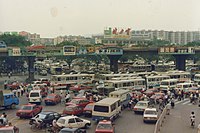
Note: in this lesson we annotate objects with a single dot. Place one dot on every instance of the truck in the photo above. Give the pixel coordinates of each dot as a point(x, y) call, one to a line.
point(8, 100)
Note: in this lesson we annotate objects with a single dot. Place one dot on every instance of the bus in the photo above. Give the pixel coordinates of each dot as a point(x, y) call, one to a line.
point(62, 81)
point(106, 109)
point(182, 76)
point(168, 84)
point(154, 81)
point(105, 77)
point(197, 79)
point(123, 95)
point(129, 83)
point(56, 70)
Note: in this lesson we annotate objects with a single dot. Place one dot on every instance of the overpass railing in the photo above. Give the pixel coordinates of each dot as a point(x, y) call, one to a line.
point(160, 121)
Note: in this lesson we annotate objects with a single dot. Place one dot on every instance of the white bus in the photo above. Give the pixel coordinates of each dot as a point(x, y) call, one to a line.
point(105, 77)
point(130, 83)
point(197, 79)
point(106, 109)
point(123, 95)
point(154, 81)
point(168, 84)
point(61, 81)
point(182, 76)
point(185, 86)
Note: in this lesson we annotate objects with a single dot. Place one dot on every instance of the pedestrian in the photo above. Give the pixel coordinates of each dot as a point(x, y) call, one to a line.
point(3, 114)
point(5, 84)
point(198, 128)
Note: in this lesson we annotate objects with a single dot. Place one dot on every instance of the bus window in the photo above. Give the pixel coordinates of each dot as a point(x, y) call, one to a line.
point(99, 108)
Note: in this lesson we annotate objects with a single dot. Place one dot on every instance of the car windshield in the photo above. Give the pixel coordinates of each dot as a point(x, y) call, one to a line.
point(74, 101)
point(61, 121)
point(89, 107)
point(6, 131)
point(141, 104)
point(150, 112)
point(41, 116)
point(104, 126)
point(69, 108)
point(26, 108)
point(50, 97)
point(158, 95)
point(63, 131)
point(34, 94)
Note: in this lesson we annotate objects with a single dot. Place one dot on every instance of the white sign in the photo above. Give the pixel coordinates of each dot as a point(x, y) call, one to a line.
point(16, 52)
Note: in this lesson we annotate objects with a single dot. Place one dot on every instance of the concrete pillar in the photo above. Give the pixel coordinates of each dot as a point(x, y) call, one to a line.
point(31, 68)
point(180, 62)
point(114, 62)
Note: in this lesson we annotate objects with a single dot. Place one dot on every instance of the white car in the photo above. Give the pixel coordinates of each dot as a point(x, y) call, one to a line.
point(150, 115)
point(141, 106)
point(73, 122)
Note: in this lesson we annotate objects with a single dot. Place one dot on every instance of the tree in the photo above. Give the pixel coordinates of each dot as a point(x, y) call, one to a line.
point(68, 43)
point(15, 40)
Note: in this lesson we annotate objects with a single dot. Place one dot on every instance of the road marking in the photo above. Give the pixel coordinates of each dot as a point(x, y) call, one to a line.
point(186, 102)
point(13, 119)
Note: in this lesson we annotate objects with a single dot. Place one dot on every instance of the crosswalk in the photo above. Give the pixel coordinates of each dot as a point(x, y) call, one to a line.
point(186, 101)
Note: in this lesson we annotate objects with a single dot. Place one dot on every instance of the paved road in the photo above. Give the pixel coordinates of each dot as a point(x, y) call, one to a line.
point(179, 119)
point(128, 122)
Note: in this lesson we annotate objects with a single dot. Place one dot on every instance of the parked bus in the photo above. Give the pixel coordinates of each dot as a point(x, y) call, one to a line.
point(106, 109)
point(129, 83)
point(123, 95)
point(186, 86)
point(154, 81)
point(182, 76)
point(105, 77)
point(61, 81)
point(168, 84)
point(197, 79)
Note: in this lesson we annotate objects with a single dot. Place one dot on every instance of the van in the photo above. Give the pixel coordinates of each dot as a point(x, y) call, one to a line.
point(8, 100)
point(106, 109)
point(35, 96)
point(123, 95)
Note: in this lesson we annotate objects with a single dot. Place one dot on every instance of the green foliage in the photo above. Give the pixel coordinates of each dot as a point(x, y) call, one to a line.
point(15, 40)
point(69, 43)
point(194, 43)
point(158, 42)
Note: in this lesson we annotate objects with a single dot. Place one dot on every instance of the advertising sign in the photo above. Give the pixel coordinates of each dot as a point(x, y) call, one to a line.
point(16, 52)
point(117, 33)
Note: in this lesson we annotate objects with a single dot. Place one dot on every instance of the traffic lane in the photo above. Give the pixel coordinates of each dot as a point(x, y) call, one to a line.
point(128, 122)
point(179, 119)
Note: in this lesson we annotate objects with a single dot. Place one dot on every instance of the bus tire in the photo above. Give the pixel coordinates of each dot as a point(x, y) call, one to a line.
point(13, 106)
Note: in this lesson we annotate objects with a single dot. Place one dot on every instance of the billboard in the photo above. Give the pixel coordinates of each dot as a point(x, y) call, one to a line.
point(117, 33)
point(16, 52)
point(69, 50)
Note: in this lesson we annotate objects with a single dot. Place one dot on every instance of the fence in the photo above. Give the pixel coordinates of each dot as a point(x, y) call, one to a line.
point(160, 121)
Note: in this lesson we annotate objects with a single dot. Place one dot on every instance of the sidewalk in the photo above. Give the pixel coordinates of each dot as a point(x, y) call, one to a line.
point(178, 121)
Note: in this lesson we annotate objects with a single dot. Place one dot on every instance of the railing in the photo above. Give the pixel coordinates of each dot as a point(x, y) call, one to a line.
point(160, 121)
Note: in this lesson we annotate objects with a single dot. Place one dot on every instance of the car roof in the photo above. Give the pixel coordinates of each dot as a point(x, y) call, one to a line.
point(72, 105)
point(6, 128)
point(35, 91)
point(69, 117)
point(105, 122)
point(143, 101)
point(29, 104)
point(69, 129)
point(7, 94)
point(151, 109)
point(47, 112)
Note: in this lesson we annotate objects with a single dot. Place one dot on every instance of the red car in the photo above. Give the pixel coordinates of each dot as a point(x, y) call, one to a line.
point(9, 129)
point(29, 110)
point(87, 111)
point(52, 99)
point(82, 102)
point(158, 96)
point(78, 87)
point(137, 95)
point(150, 92)
point(105, 127)
point(73, 110)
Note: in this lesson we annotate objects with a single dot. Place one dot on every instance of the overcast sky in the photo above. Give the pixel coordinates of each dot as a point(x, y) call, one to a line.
point(52, 18)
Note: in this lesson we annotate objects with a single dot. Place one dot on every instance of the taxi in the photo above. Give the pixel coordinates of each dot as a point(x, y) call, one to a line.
point(105, 126)
point(28, 110)
point(87, 111)
point(150, 115)
point(52, 99)
point(73, 110)
point(9, 129)
point(79, 101)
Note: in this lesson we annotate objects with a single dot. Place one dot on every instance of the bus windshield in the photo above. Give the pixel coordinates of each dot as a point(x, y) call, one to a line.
point(100, 108)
